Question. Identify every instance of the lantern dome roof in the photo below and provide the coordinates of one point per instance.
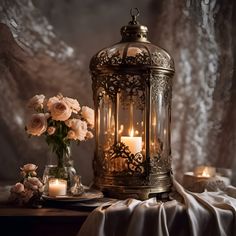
(133, 52)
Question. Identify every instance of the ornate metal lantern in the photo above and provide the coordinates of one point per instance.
(132, 83)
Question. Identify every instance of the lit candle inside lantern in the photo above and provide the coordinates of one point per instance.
(57, 187)
(134, 143)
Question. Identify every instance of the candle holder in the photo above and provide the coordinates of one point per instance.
(57, 187)
(132, 83)
(205, 178)
(68, 174)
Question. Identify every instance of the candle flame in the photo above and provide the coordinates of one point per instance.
(121, 129)
(55, 181)
(154, 122)
(131, 134)
(205, 173)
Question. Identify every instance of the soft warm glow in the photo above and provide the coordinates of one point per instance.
(121, 129)
(57, 187)
(154, 122)
(134, 143)
(131, 133)
(205, 173)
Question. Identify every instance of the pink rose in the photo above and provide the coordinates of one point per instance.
(89, 135)
(52, 101)
(29, 167)
(73, 104)
(88, 114)
(59, 110)
(37, 102)
(33, 183)
(51, 130)
(37, 124)
(72, 123)
(71, 135)
(79, 129)
(28, 194)
(18, 188)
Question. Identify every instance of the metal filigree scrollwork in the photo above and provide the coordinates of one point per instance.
(108, 58)
(162, 60)
(161, 84)
(136, 163)
(158, 161)
(119, 159)
(104, 59)
(160, 164)
(142, 58)
(130, 85)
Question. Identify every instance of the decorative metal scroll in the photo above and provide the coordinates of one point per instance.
(130, 86)
(162, 60)
(161, 84)
(119, 159)
(160, 164)
(159, 59)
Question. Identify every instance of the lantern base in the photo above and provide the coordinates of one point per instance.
(122, 187)
(140, 194)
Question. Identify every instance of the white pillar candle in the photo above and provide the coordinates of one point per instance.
(134, 143)
(57, 187)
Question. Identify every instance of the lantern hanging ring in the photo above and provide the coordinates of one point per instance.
(134, 12)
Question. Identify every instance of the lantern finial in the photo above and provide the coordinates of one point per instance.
(134, 16)
(134, 32)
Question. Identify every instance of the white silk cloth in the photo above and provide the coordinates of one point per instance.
(196, 214)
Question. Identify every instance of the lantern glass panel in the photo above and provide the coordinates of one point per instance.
(106, 124)
(160, 124)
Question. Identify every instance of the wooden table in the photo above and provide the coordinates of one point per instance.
(47, 221)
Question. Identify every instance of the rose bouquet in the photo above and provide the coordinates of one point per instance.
(29, 190)
(60, 120)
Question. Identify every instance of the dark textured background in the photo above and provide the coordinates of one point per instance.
(46, 45)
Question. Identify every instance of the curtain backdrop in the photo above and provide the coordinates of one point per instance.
(45, 47)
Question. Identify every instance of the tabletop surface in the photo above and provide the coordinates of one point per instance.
(7, 210)
(51, 219)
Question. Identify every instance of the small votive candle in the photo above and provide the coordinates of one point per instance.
(204, 178)
(57, 187)
(205, 171)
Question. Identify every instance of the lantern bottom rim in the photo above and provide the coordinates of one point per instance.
(121, 189)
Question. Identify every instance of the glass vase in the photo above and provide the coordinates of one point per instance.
(60, 166)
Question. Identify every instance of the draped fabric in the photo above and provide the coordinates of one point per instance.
(201, 37)
(196, 214)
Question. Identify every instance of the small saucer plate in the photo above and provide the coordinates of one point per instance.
(87, 195)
